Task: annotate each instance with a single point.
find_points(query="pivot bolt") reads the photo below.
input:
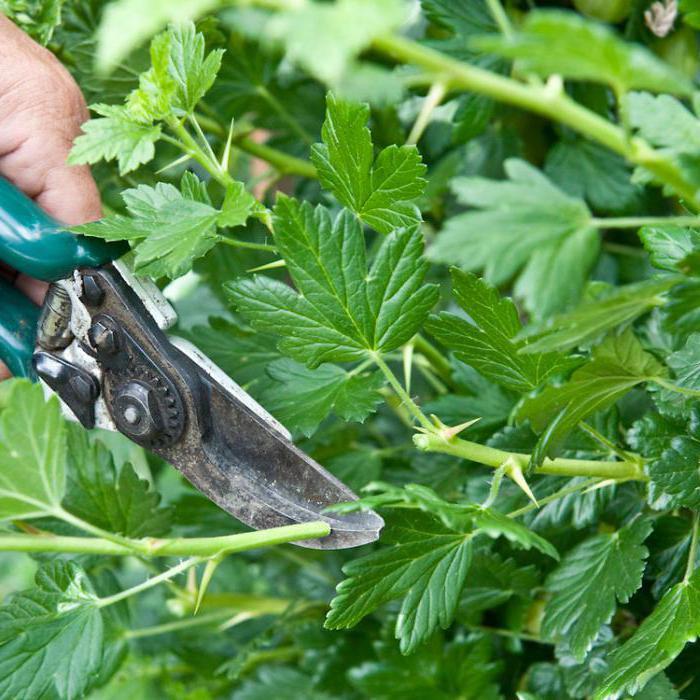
(136, 412)
(92, 291)
(103, 338)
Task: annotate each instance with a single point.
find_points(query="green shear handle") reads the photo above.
(37, 245)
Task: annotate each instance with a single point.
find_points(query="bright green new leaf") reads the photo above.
(591, 577)
(616, 366)
(523, 222)
(51, 636)
(172, 227)
(193, 72)
(238, 205)
(325, 38)
(342, 311)
(113, 499)
(426, 565)
(613, 308)
(566, 44)
(657, 642)
(115, 136)
(488, 342)
(668, 246)
(32, 454)
(589, 171)
(301, 398)
(380, 191)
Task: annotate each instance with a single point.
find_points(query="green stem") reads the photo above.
(639, 221)
(283, 162)
(150, 582)
(407, 401)
(509, 633)
(566, 491)
(245, 244)
(500, 18)
(176, 625)
(439, 362)
(196, 546)
(560, 466)
(602, 440)
(684, 391)
(432, 100)
(134, 546)
(692, 551)
(549, 100)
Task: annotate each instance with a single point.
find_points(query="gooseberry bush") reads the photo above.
(454, 247)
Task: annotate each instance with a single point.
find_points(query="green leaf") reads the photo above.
(238, 205)
(566, 44)
(281, 683)
(524, 221)
(32, 454)
(342, 311)
(356, 468)
(589, 171)
(597, 315)
(488, 342)
(667, 124)
(193, 72)
(426, 565)
(616, 366)
(675, 473)
(657, 642)
(301, 398)
(51, 636)
(115, 136)
(324, 38)
(379, 191)
(114, 500)
(464, 19)
(668, 246)
(172, 228)
(591, 577)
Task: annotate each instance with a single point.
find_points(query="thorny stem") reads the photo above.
(432, 100)
(549, 100)
(692, 551)
(561, 493)
(196, 546)
(135, 546)
(406, 400)
(491, 457)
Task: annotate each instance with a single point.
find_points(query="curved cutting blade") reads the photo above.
(205, 425)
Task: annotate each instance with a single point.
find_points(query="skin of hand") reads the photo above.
(41, 110)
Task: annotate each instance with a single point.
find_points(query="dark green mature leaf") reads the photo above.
(590, 578)
(566, 44)
(281, 683)
(51, 636)
(356, 468)
(115, 500)
(301, 398)
(616, 366)
(342, 311)
(589, 171)
(426, 565)
(523, 222)
(488, 342)
(379, 191)
(668, 246)
(115, 136)
(32, 454)
(675, 473)
(594, 317)
(658, 641)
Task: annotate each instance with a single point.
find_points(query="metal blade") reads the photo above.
(174, 401)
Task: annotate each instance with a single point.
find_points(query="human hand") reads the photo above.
(41, 110)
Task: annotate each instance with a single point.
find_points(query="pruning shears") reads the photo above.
(99, 343)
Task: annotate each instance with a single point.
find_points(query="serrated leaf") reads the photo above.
(193, 72)
(115, 136)
(675, 473)
(668, 246)
(616, 307)
(342, 311)
(171, 228)
(113, 499)
(566, 44)
(238, 205)
(356, 468)
(657, 642)
(589, 171)
(32, 454)
(379, 191)
(426, 566)
(524, 220)
(487, 343)
(51, 636)
(301, 398)
(281, 683)
(616, 366)
(590, 579)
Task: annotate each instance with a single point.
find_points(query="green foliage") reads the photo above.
(472, 271)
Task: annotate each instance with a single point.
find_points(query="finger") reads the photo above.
(4, 372)
(32, 288)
